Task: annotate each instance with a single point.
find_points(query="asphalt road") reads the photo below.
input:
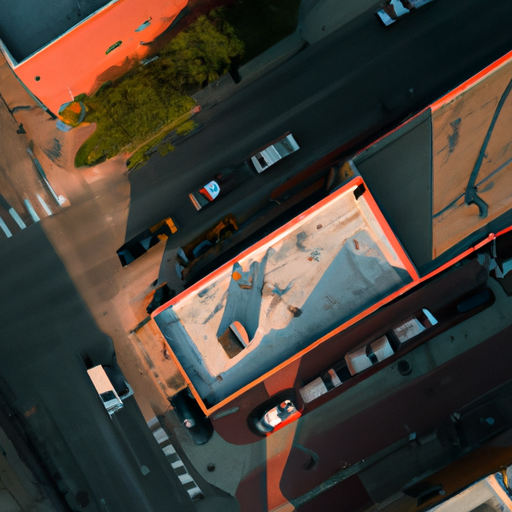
(358, 81)
(45, 333)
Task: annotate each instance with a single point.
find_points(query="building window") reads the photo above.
(113, 47)
(144, 25)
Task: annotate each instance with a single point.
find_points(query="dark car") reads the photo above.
(220, 185)
(115, 375)
(192, 417)
(141, 243)
(276, 417)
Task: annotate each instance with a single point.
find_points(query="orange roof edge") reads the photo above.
(416, 279)
(447, 98)
(353, 183)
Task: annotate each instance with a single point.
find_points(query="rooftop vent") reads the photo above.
(234, 339)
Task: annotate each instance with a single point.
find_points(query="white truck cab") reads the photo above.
(105, 389)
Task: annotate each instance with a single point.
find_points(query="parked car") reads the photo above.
(396, 9)
(220, 185)
(273, 152)
(141, 243)
(277, 417)
(190, 256)
(116, 377)
(192, 417)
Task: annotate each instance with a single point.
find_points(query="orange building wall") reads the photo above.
(76, 62)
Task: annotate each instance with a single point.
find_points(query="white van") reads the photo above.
(273, 152)
(105, 389)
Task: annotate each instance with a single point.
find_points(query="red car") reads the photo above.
(277, 417)
(220, 184)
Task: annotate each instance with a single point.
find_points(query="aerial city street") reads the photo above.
(255, 255)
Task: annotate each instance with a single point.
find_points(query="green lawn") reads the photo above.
(261, 24)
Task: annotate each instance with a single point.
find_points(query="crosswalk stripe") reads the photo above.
(6, 230)
(168, 450)
(185, 478)
(44, 205)
(31, 210)
(174, 459)
(17, 218)
(160, 435)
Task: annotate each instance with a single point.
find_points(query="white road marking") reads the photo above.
(31, 210)
(17, 218)
(7, 231)
(44, 205)
(186, 479)
(169, 450)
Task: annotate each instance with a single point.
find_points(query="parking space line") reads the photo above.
(17, 218)
(6, 230)
(31, 210)
(44, 205)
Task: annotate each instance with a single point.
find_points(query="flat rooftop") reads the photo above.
(28, 25)
(296, 285)
(420, 172)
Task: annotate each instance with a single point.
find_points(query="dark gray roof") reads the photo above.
(398, 171)
(28, 25)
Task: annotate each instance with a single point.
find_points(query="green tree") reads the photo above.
(201, 53)
(139, 104)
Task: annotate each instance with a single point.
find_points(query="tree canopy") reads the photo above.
(149, 97)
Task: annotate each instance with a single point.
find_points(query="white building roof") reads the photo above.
(322, 268)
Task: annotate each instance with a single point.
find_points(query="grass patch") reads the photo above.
(185, 128)
(132, 112)
(261, 24)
